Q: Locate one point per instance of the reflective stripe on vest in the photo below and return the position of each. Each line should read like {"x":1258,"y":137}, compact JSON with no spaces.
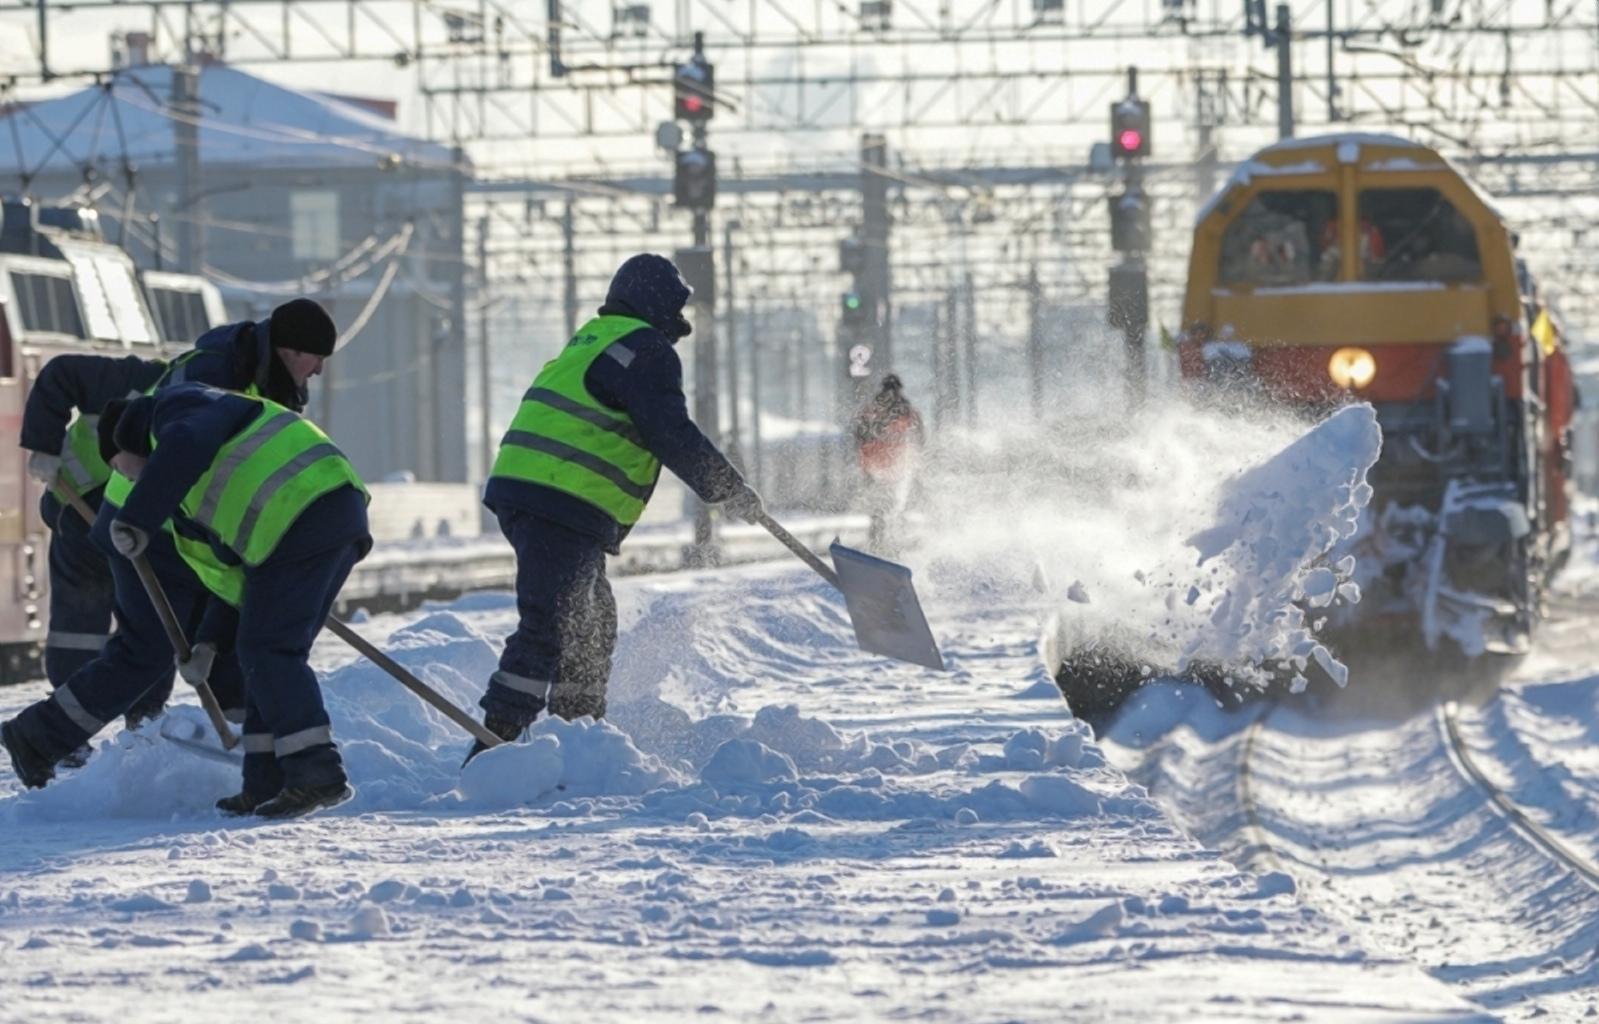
{"x":564,"y":438}
{"x":81,"y":463}
{"x":261,"y":481}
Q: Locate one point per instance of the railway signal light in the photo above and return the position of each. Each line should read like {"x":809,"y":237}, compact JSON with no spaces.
{"x":1129,"y":128}
{"x":693,"y":89}
{"x":851,"y":256}
{"x":1130,"y":227}
{"x":852,"y":310}
{"x":694,"y":178}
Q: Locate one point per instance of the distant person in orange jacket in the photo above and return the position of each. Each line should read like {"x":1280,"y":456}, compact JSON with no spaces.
{"x":889,"y":436}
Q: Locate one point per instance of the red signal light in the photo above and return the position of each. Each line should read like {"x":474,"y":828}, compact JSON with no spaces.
{"x":693,"y":104}
{"x":1130,"y":140}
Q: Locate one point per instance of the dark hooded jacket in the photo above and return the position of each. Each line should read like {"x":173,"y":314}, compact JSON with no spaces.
{"x":227,"y":357}
{"x":649,"y":388}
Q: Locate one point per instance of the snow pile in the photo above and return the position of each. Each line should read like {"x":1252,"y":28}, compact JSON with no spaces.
{"x":1185,"y":533}
{"x":1274,"y":525}
{"x":651,"y":758}
{"x":135,"y":774}
{"x":574,"y":759}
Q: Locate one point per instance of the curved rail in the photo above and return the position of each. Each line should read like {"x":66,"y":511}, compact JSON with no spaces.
{"x":1459,"y":756}
{"x":1258,"y":843}
{"x":1534,"y":833}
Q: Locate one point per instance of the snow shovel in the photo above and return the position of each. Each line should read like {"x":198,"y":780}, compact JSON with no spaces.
{"x":411,"y":682}
{"x":169,"y":620}
{"x":882,"y":603}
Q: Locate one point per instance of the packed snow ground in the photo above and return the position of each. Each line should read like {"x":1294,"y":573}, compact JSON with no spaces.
{"x":770,"y":823}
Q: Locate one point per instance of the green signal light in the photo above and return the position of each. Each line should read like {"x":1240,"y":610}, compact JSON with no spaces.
{"x":852,"y":302}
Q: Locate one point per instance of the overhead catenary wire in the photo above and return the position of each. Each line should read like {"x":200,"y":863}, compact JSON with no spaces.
{"x":382,"y":289}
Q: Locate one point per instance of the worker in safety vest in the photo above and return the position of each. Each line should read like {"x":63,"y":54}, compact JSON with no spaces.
{"x":139,"y":655}
{"x":271,"y":516}
{"x":889,"y":437}
{"x":59,"y":430}
{"x":573,"y":476}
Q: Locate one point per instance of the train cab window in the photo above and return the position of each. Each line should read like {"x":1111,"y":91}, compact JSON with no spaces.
{"x":47,"y":304}
{"x":1416,"y":234}
{"x":1281,"y":238}
{"x":182,"y":315}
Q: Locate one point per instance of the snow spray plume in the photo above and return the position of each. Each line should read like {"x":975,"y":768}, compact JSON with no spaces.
{"x":1181,"y":532}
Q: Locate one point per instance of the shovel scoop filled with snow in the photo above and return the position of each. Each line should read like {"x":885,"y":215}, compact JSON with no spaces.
{"x":882,"y":603}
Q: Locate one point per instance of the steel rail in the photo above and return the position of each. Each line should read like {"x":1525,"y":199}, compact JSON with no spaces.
{"x":1244,"y":789}
{"x":1518,"y":819}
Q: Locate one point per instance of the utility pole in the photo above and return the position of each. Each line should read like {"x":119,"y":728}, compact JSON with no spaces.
{"x":1127,"y":304}
{"x":569,"y":267}
{"x":875,"y":283}
{"x":44,"y":42}
{"x":1332,"y":69}
{"x":186,"y":140}
{"x":731,"y":317}
{"x":694,"y":187}
{"x":1285,"y":74}
{"x":1207,"y":117}
{"x":969,"y":337}
{"x":946,"y":385}
{"x":442,"y":379}
{"x":484,"y":370}
{"x":1035,"y":342}
{"x":755,"y":397}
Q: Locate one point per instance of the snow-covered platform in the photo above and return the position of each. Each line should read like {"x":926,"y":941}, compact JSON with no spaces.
{"x":770,"y":825}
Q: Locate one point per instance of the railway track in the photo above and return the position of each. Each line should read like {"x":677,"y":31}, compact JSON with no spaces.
{"x":1446,"y":716}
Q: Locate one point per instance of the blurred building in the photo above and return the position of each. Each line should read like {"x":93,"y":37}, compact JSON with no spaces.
{"x":273,"y":192}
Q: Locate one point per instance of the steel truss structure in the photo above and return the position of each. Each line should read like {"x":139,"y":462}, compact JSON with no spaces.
{"x":989,"y":106}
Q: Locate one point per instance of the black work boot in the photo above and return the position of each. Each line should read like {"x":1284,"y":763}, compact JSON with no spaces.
{"x":33,"y":768}
{"x":137,"y":716}
{"x":77,"y":759}
{"x":296,"y":801}
{"x":240,"y":804}
{"x":507,"y":729}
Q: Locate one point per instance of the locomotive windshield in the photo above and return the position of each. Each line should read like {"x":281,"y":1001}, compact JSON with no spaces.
{"x":1416,"y":234}
{"x":1285,"y":237}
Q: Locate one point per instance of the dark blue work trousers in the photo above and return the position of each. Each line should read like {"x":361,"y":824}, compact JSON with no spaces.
{"x":136,"y":662}
{"x":82,"y":602}
{"x":288,"y":740}
{"x":560,"y":655}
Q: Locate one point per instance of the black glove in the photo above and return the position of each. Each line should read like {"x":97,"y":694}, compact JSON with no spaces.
{"x":745,"y":504}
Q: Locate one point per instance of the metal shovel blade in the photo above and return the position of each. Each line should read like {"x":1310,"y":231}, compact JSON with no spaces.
{"x":884,"y":609}
{"x":186,"y":736}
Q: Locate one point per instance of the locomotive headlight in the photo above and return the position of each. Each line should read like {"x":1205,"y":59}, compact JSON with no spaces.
{"x":1352,"y":368}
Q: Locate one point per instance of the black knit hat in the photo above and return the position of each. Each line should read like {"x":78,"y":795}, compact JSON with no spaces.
{"x":302,"y":325}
